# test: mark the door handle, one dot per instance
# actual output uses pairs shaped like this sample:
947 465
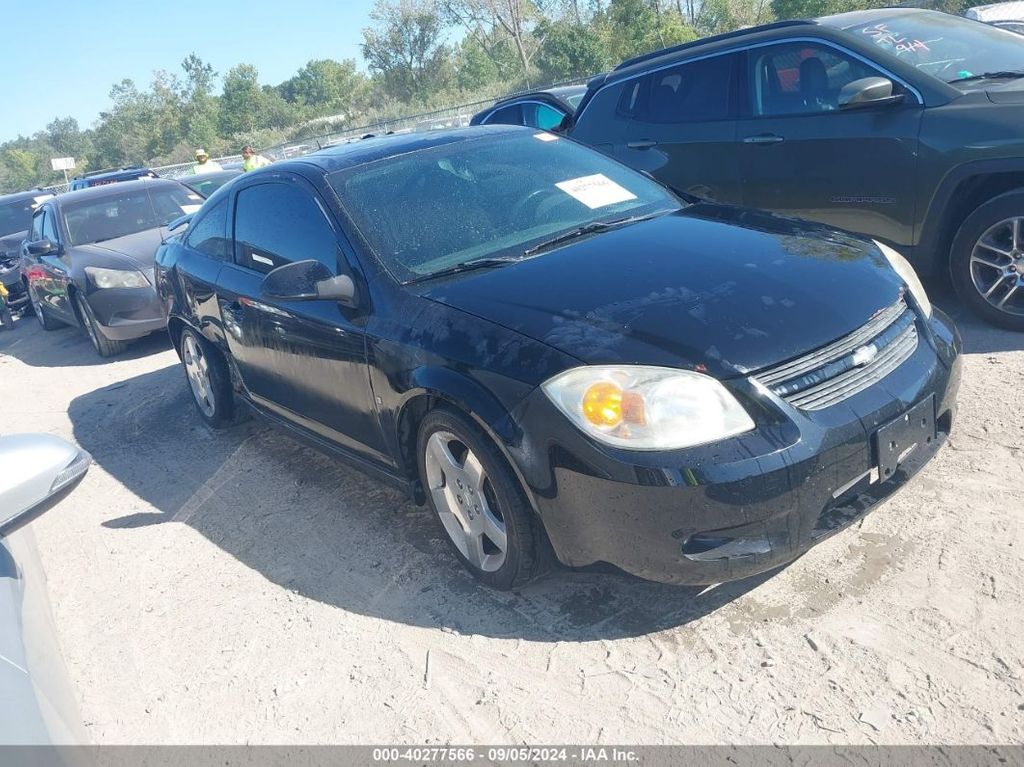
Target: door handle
764 138
643 144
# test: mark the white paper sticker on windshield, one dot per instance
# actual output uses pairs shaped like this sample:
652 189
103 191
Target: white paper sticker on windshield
41 199
189 208
545 136
595 191
193 196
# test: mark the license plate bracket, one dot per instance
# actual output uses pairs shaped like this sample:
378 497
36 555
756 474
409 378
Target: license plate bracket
895 441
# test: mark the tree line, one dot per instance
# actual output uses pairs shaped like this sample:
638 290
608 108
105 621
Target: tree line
419 55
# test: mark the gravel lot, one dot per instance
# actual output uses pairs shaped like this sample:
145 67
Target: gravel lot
238 588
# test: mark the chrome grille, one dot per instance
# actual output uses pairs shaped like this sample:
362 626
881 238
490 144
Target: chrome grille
833 373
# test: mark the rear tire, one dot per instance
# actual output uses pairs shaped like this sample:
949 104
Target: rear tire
209 380
479 502
103 345
987 261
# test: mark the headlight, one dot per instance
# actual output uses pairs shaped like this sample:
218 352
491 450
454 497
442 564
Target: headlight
647 408
908 275
116 278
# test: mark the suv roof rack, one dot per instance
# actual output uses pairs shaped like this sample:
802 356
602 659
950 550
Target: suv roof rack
712 39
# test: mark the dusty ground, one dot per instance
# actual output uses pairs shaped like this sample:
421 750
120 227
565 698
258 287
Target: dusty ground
236 587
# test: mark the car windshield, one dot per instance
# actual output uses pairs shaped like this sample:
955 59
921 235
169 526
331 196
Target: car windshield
127 212
17 216
494 197
948 47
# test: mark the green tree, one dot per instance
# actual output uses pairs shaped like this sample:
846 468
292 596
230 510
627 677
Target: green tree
123 136
325 86
569 50
634 27
405 48
199 108
241 102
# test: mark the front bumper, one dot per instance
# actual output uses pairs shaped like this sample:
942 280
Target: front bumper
127 313
732 509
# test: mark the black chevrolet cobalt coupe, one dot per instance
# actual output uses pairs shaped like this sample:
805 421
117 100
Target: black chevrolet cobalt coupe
551 348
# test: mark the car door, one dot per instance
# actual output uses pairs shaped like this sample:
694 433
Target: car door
803 156
683 127
302 360
50 275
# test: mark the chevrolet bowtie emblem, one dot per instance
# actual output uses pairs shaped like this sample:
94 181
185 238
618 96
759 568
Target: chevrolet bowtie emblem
864 355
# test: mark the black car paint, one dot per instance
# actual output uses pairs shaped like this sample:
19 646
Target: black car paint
355 381
122 313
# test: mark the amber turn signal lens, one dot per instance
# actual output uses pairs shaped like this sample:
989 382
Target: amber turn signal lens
602 404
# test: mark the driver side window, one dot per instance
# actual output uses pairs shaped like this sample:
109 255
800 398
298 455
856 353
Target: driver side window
37 226
279 223
801 78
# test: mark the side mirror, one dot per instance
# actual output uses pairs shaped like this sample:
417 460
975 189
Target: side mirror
41 248
309 281
38 470
868 92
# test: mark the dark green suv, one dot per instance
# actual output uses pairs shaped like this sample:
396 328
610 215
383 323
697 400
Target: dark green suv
901 124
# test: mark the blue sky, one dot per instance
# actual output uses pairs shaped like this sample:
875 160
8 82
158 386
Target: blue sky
60 58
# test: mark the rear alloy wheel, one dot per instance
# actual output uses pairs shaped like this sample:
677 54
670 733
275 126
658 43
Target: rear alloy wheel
45 321
209 380
478 501
103 345
987 261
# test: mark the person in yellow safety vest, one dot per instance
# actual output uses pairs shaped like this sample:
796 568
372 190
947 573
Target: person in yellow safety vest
204 164
251 160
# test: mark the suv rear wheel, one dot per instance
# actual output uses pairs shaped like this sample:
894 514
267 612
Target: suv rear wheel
987 261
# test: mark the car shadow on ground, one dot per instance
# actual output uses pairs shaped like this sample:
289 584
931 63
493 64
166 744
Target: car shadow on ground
67 346
315 526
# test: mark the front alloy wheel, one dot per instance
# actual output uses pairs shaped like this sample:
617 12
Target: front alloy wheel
479 501
465 502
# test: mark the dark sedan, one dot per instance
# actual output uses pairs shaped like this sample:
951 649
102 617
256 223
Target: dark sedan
549 346
88 258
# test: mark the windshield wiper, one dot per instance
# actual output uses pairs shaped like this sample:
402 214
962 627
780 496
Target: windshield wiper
1001 75
465 266
592 228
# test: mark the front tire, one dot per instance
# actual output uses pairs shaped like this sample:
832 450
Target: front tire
478 501
103 345
987 261
209 381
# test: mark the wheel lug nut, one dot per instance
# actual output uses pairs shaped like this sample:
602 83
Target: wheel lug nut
459 498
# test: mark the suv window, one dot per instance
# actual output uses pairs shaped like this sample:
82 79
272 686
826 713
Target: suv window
801 78
698 91
278 223
208 235
50 227
37 226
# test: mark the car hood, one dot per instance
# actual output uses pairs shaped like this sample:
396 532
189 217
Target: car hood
138 249
725 288
1011 92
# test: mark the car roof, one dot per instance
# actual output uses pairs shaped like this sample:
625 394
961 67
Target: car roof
113 173
111 190
32 193
368 150
230 172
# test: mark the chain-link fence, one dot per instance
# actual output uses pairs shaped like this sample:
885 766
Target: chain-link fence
449 117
